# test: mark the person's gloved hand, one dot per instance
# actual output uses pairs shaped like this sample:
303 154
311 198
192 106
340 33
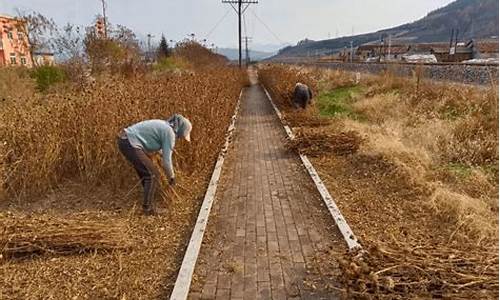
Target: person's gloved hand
171 181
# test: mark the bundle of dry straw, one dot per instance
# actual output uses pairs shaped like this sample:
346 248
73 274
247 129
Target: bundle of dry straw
24 235
402 271
316 144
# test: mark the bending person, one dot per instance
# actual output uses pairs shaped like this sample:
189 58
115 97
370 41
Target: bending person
302 95
140 140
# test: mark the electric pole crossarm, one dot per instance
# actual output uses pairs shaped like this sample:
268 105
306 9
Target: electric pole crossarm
242 2
240 12
245 9
234 8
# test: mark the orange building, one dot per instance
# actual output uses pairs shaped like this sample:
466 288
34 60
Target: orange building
14 44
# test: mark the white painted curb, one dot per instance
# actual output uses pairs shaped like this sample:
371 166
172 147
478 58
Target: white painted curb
183 282
345 229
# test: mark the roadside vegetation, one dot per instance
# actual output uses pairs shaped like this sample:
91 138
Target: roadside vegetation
338 102
413 166
70 219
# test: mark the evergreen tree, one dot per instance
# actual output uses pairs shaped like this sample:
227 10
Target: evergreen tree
163 50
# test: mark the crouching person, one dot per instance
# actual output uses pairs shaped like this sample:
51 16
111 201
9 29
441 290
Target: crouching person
302 96
140 140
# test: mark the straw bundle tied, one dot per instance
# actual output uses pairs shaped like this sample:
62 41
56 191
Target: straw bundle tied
22 235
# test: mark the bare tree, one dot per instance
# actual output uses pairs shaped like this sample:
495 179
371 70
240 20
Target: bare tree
119 48
69 42
37 28
127 39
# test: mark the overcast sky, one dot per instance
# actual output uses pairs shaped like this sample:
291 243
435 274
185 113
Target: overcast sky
269 22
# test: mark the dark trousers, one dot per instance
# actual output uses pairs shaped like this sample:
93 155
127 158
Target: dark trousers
144 167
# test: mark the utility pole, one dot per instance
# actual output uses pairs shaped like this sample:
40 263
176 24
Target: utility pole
247 51
381 48
240 11
390 44
352 49
352 36
104 18
239 31
149 41
451 38
149 45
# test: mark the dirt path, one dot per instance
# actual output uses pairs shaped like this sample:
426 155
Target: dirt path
268 223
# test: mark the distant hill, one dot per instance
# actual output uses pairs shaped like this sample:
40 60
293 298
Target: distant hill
475 19
232 54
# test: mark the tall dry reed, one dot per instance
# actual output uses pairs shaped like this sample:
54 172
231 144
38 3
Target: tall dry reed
71 135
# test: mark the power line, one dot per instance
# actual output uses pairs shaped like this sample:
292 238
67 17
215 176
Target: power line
218 23
245 25
253 27
267 27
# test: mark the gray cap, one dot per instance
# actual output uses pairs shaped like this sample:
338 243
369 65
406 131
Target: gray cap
181 126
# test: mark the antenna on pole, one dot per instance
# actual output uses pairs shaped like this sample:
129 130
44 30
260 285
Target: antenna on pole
104 18
240 10
352 49
149 55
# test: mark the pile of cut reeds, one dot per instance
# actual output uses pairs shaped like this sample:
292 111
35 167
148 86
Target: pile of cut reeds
25 235
316 144
402 271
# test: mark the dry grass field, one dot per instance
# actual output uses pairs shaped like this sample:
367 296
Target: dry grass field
413 166
71 224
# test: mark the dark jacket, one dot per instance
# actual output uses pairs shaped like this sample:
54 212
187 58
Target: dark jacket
302 95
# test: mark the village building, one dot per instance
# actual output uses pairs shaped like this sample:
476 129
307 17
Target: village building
454 53
426 52
44 58
369 52
14 44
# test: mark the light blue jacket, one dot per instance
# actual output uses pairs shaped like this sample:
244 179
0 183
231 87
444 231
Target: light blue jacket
152 136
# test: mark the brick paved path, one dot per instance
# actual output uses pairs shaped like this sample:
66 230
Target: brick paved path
268 223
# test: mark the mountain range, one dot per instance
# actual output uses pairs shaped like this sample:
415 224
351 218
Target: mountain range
474 19
232 54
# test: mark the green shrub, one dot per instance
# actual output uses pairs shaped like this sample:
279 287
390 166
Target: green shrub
46 76
338 102
170 63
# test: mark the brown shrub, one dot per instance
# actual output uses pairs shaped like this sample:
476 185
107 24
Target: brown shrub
281 82
72 134
199 56
14 83
325 142
26 235
474 140
464 212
